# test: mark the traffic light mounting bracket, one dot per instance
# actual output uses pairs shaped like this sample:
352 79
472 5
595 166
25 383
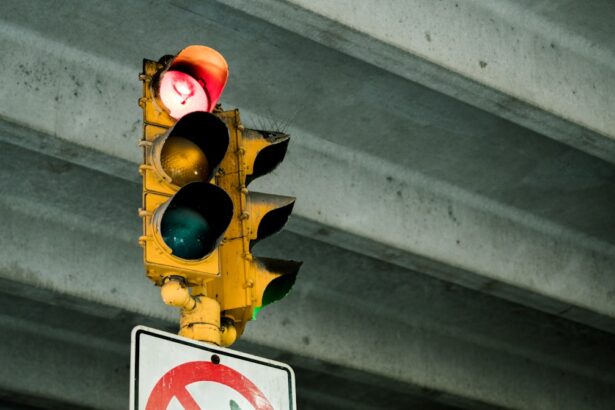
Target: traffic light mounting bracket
200 315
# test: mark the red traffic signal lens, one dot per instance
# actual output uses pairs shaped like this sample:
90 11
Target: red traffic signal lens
191 81
182 94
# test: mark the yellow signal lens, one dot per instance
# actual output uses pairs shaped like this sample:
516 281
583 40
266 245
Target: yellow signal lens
183 161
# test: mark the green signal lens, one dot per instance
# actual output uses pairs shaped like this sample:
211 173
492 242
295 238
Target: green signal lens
276 290
186 232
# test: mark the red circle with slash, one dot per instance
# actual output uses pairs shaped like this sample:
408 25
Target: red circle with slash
173 385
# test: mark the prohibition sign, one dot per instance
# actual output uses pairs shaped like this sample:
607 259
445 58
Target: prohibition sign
169 372
173 385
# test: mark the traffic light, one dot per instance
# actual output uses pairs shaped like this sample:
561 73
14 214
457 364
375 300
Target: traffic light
185 215
200 221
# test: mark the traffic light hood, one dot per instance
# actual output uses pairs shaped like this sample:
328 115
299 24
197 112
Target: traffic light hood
285 274
266 149
269 214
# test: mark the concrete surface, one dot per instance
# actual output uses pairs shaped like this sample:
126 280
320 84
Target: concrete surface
542 64
453 163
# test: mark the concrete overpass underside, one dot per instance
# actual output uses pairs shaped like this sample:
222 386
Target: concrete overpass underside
453 164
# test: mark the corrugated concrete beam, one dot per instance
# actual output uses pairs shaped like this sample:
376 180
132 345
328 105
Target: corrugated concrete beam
547 68
370 163
69 239
46 342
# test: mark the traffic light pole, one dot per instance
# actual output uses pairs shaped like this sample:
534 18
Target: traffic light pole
200 315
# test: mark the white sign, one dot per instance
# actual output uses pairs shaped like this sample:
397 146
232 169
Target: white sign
169 372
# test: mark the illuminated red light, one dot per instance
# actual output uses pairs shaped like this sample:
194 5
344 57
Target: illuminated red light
181 94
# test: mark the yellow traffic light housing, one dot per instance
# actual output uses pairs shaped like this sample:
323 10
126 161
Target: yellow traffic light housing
184 214
200 221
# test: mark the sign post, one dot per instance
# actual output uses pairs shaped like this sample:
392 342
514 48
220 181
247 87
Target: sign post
169 372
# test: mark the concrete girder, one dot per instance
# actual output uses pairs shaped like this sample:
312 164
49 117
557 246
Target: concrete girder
547 67
45 344
68 241
420 170
419 210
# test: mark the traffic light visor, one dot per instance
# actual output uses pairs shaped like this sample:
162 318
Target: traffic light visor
193 221
268 150
286 272
269 213
192 150
193 81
